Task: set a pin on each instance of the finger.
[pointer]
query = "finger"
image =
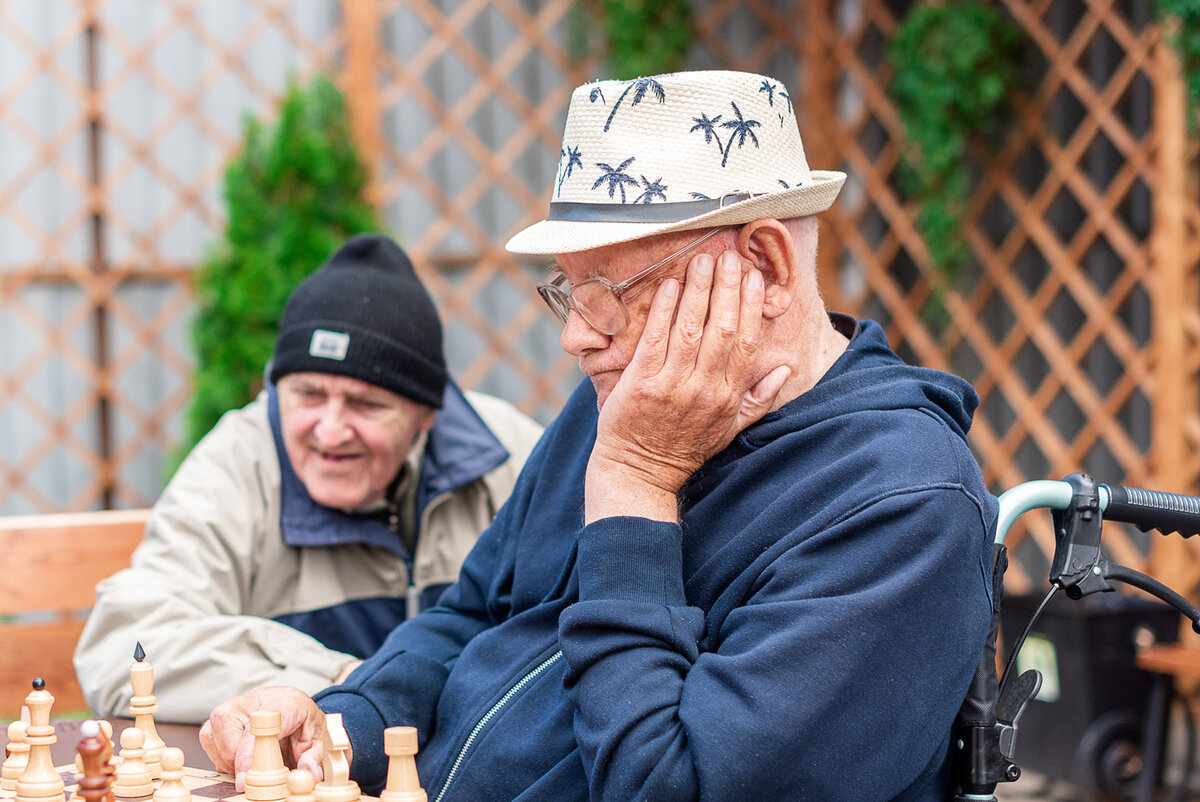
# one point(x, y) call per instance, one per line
point(744, 346)
point(688, 330)
point(304, 734)
point(724, 312)
point(311, 761)
point(760, 399)
point(651, 351)
point(241, 761)
point(208, 744)
point(227, 728)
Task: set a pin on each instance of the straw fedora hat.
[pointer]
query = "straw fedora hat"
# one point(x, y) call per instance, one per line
point(676, 152)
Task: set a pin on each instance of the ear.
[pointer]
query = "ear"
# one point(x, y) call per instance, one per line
point(768, 245)
point(427, 419)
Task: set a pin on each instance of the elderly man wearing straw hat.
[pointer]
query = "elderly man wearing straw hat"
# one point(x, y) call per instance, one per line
point(749, 560)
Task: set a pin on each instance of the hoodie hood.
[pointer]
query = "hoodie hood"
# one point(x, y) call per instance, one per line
point(868, 376)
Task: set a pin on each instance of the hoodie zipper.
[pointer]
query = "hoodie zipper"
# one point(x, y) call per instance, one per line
point(489, 715)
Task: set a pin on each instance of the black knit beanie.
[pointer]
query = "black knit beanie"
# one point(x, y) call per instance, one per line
point(366, 315)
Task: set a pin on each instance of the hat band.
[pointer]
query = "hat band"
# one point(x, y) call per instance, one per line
point(641, 212)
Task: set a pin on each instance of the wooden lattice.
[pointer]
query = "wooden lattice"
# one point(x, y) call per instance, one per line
point(1079, 325)
point(1062, 326)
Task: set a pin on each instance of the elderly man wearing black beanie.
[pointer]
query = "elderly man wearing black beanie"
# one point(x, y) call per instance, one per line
point(308, 524)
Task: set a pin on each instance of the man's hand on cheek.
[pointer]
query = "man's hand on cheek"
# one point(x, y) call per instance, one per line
point(688, 391)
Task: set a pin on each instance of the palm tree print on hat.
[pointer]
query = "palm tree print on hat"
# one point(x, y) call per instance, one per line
point(788, 98)
point(654, 189)
point(616, 178)
point(741, 129)
point(702, 123)
point(574, 159)
point(784, 184)
point(769, 88)
point(596, 92)
point(639, 86)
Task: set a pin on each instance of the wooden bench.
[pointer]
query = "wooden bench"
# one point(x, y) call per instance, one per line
point(51, 566)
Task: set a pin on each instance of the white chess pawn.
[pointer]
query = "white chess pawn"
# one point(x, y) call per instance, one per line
point(133, 776)
point(300, 784)
point(18, 756)
point(172, 788)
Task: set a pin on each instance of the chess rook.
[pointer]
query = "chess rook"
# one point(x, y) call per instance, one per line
point(18, 756)
point(143, 706)
point(400, 745)
point(133, 776)
point(40, 782)
point(266, 779)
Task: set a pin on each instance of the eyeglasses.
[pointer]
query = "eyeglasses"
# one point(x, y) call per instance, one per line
point(598, 301)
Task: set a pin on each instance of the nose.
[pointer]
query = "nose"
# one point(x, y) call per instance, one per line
point(578, 336)
point(332, 428)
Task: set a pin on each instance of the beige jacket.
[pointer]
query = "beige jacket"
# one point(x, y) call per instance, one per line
point(214, 570)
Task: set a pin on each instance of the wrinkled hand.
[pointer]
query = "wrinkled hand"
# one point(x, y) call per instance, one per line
point(227, 740)
point(689, 389)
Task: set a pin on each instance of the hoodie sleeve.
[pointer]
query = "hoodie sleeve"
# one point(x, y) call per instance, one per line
point(402, 682)
point(849, 647)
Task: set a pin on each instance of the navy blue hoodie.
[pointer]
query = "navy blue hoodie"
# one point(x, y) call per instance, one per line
point(807, 632)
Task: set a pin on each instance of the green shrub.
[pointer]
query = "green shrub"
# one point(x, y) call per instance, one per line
point(955, 65)
point(293, 194)
point(1183, 34)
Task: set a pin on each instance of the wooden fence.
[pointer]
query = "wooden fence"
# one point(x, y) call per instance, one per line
point(1078, 326)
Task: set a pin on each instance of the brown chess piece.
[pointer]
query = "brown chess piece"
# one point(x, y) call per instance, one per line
point(96, 776)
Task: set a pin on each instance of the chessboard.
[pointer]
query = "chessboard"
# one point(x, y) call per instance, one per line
point(206, 784)
point(203, 783)
point(145, 768)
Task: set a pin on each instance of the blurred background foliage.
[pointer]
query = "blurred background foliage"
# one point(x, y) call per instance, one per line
point(292, 195)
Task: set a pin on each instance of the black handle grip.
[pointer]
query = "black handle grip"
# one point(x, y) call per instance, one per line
point(1153, 509)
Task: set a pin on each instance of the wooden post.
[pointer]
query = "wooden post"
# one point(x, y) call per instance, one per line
point(360, 25)
point(1172, 560)
point(819, 132)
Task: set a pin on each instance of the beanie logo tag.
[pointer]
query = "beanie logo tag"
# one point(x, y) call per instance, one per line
point(329, 344)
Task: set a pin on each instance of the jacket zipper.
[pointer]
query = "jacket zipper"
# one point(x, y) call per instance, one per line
point(489, 715)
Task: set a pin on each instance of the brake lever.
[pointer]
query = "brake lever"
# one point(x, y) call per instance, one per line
point(1078, 564)
point(1155, 588)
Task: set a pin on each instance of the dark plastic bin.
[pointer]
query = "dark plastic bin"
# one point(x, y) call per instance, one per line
point(1086, 726)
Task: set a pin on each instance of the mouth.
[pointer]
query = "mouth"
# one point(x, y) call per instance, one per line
point(333, 458)
point(593, 373)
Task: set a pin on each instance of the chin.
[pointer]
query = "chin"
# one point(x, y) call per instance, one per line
point(336, 498)
point(603, 384)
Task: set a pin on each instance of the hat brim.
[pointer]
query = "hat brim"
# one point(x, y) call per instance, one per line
point(565, 236)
